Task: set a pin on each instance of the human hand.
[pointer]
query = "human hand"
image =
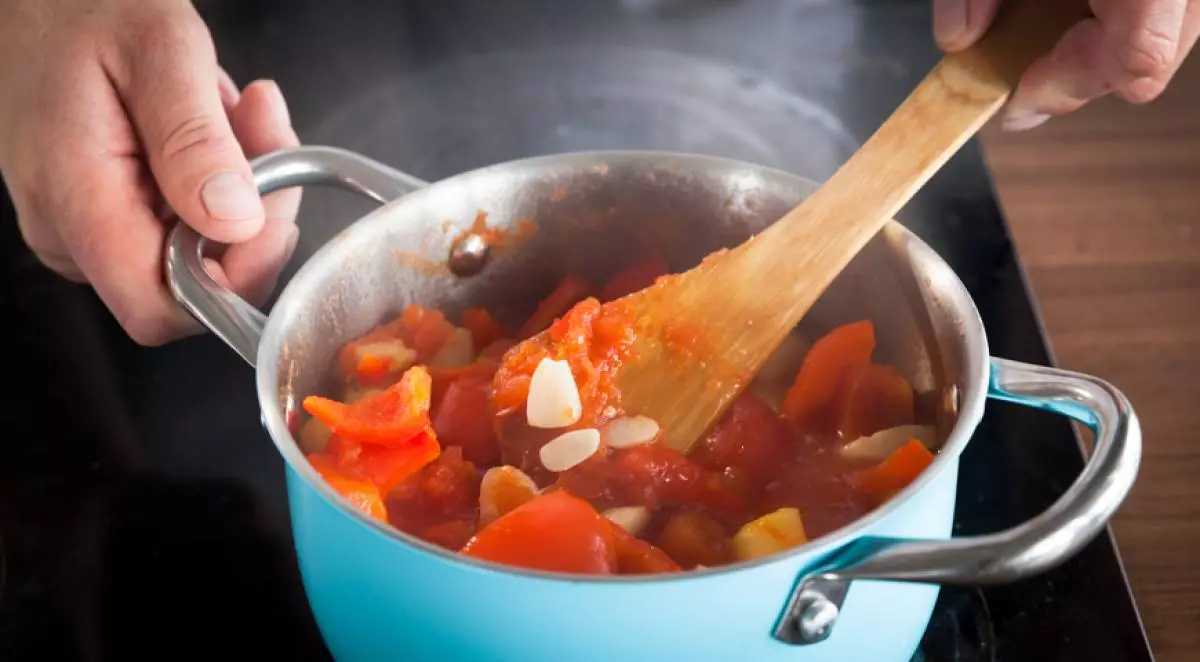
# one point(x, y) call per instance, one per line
point(1130, 48)
point(113, 110)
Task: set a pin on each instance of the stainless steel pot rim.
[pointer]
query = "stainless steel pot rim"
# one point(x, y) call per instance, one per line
point(970, 413)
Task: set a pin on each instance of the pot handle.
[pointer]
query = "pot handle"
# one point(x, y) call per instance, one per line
point(226, 314)
point(1027, 549)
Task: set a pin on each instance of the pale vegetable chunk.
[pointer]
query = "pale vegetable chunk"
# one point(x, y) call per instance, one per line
point(882, 444)
point(503, 489)
point(631, 518)
point(553, 400)
point(398, 355)
point(569, 449)
point(770, 534)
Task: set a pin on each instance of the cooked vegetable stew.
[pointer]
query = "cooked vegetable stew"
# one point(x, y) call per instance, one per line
point(523, 455)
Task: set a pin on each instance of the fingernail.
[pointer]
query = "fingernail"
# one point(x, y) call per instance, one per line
point(228, 196)
point(1023, 121)
point(949, 22)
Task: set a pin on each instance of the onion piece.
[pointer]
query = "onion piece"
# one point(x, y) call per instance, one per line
point(502, 490)
point(631, 518)
point(569, 449)
point(553, 400)
point(629, 431)
point(882, 444)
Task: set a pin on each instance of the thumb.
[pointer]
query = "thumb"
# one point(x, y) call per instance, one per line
point(171, 88)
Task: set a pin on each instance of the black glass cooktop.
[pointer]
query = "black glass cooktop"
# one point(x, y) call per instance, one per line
point(142, 508)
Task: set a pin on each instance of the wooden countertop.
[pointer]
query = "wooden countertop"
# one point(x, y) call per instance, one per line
point(1104, 206)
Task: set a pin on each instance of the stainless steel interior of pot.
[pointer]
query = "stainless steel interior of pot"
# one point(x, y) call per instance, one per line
point(593, 214)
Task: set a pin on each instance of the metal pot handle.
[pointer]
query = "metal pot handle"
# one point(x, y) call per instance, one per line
point(226, 314)
point(1032, 547)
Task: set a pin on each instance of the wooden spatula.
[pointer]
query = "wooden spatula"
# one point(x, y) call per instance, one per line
point(741, 304)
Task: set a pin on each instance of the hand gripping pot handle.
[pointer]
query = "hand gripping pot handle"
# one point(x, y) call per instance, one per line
point(226, 314)
point(1032, 547)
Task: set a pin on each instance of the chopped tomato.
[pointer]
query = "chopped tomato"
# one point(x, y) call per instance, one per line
point(388, 418)
point(808, 400)
point(871, 398)
point(424, 330)
point(751, 439)
point(638, 557)
point(555, 532)
point(654, 474)
point(635, 277)
point(443, 377)
point(895, 473)
point(447, 488)
point(570, 291)
point(356, 488)
point(452, 534)
point(462, 418)
point(484, 328)
point(694, 538)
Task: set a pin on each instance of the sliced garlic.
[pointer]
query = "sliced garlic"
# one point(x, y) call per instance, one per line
point(627, 431)
point(569, 449)
point(458, 350)
point(885, 442)
point(631, 518)
point(502, 490)
point(553, 397)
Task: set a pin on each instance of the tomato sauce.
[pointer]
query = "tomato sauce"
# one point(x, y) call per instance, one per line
point(412, 442)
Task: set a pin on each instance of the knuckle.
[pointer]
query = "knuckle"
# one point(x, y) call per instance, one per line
point(191, 135)
point(1147, 53)
point(170, 34)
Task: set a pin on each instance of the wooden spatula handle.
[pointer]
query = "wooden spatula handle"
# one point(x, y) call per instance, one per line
point(771, 281)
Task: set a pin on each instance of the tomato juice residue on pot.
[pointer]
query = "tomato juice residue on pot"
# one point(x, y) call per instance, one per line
point(522, 454)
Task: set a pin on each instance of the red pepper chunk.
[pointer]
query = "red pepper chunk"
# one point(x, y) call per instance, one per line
point(635, 277)
point(389, 418)
point(555, 532)
point(356, 488)
point(871, 398)
point(571, 290)
point(895, 473)
point(810, 397)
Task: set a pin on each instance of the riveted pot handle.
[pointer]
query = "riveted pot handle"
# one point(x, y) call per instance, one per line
point(1032, 547)
point(226, 314)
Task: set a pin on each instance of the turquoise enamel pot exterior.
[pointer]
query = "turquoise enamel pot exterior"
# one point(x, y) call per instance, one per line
point(864, 592)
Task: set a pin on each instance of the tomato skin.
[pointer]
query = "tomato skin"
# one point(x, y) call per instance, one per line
point(751, 440)
point(808, 400)
point(387, 418)
point(463, 418)
point(555, 532)
point(656, 474)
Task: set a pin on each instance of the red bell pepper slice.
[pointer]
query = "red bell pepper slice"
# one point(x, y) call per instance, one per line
point(895, 473)
point(356, 488)
point(808, 400)
point(570, 291)
point(388, 418)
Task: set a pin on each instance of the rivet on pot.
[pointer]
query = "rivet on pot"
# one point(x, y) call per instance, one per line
point(816, 616)
point(469, 255)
